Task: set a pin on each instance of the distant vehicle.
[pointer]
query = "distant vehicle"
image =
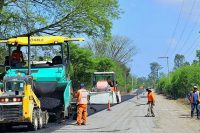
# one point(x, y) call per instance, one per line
point(104, 88)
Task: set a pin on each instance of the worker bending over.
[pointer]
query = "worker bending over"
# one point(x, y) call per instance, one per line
point(151, 102)
point(82, 100)
point(194, 100)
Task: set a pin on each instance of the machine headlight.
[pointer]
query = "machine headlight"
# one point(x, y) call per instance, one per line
point(14, 99)
point(19, 99)
point(2, 100)
point(6, 100)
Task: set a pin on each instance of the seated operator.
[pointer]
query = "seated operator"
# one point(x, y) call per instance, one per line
point(17, 57)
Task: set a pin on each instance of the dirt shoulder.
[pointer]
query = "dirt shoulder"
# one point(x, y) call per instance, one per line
point(174, 116)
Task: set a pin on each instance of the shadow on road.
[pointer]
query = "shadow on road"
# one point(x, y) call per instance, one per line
point(51, 127)
point(187, 116)
point(91, 130)
point(141, 104)
point(139, 116)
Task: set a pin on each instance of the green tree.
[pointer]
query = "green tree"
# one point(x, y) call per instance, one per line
point(186, 63)
point(82, 65)
point(142, 81)
point(103, 64)
point(194, 62)
point(198, 55)
point(179, 61)
point(57, 17)
point(3, 54)
point(153, 76)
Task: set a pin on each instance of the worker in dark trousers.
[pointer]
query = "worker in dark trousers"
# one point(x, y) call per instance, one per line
point(194, 100)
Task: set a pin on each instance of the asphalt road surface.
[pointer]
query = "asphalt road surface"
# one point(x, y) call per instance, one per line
point(51, 127)
point(129, 117)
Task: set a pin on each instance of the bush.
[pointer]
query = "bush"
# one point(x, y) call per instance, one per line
point(181, 81)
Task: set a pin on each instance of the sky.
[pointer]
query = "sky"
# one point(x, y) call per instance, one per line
point(159, 28)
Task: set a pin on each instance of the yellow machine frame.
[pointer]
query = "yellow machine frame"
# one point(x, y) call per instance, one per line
point(30, 101)
point(39, 40)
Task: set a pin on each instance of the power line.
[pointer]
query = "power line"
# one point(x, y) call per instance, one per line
point(193, 46)
point(175, 28)
point(184, 27)
point(190, 33)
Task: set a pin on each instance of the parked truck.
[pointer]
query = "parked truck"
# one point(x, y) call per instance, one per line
point(42, 88)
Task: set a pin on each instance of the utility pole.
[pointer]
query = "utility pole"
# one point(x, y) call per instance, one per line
point(166, 57)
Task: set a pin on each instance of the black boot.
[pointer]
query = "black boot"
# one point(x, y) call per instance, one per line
point(191, 114)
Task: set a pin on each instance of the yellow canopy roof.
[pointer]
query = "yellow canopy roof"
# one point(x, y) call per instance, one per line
point(39, 40)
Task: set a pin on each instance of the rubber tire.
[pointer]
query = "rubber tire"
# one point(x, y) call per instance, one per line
point(46, 118)
point(40, 119)
point(34, 125)
point(5, 127)
point(8, 127)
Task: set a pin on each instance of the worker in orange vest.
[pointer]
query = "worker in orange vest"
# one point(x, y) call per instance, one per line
point(82, 100)
point(17, 56)
point(151, 102)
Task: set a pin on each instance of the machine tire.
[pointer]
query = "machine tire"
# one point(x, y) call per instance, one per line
point(34, 124)
point(40, 119)
point(45, 118)
point(5, 127)
point(8, 127)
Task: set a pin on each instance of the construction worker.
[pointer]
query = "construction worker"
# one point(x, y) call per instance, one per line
point(17, 56)
point(82, 100)
point(194, 100)
point(151, 102)
point(110, 82)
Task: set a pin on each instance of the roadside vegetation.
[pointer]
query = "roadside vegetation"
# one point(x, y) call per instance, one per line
point(182, 79)
point(74, 18)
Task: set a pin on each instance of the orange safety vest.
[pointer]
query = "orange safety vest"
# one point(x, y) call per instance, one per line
point(82, 95)
point(16, 56)
point(151, 97)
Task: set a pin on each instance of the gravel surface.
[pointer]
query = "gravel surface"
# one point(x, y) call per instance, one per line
point(171, 117)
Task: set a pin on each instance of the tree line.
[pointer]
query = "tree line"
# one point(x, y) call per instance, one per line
point(73, 18)
point(181, 79)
